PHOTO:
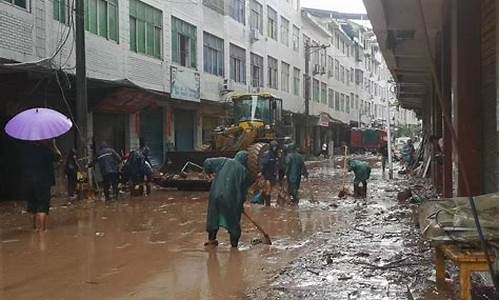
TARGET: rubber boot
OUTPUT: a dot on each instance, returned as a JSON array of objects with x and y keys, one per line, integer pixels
[
  {"x": 364, "y": 190},
  {"x": 234, "y": 242},
  {"x": 212, "y": 238},
  {"x": 267, "y": 200}
]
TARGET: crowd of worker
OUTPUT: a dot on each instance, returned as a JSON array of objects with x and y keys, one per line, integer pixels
[{"x": 282, "y": 168}]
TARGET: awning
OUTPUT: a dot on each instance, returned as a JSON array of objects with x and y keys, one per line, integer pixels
[
  {"x": 127, "y": 100},
  {"x": 325, "y": 119},
  {"x": 401, "y": 36}
]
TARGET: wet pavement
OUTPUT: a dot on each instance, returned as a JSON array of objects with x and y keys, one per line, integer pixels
[{"x": 152, "y": 248}]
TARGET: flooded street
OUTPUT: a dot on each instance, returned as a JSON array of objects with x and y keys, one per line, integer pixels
[{"x": 152, "y": 248}]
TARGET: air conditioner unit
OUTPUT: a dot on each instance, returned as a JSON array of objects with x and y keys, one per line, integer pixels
[
  {"x": 254, "y": 34},
  {"x": 227, "y": 86},
  {"x": 322, "y": 69},
  {"x": 316, "y": 69}
]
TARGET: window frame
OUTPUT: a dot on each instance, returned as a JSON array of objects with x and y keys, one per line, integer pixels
[
  {"x": 272, "y": 73},
  {"x": 253, "y": 58},
  {"x": 295, "y": 38},
  {"x": 238, "y": 12},
  {"x": 285, "y": 77},
  {"x": 272, "y": 32},
  {"x": 87, "y": 16},
  {"x": 285, "y": 31},
  {"x": 237, "y": 74},
  {"x": 150, "y": 23},
  {"x": 296, "y": 81},
  {"x": 209, "y": 66}
]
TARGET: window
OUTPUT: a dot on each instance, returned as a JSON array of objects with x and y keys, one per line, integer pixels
[
  {"x": 59, "y": 10},
  {"x": 347, "y": 76},
  {"x": 330, "y": 66},
  {"x": 272, "y": 23},
  {"x": 359, "y": 77},
  {"x": 296, "y": 81},
  {"x": 322, "y": 59},
  {"x": 315, "y": 55},
  {"x": 337, "y": 75},
  {"x": 145, "y": 29},
  {"x": 257, "y": 70},
  {"x": 337, "y": 101},
  {"x": 330, "y": 98},
  {"x": 237, "y": 10},
  {"x": 285, "y": 29},
  {"x": 295, "y": 38},
  {"x": 342, "y": 74},
  {"x": 213, "y": 54},
  {"x": 183, "y": 43},
  {"x": 352, "y": 101},
  {"x": 343, "y": 47},
  {"x": 20, "y": 3},
  {"x": 337, "y": 40},
  {"x": 347, "y": 104},
  {"x": 237, "y": 62},
  {"x": 352, "y": 75},
  {"x": 342, "y": 102},
  {"x": 357, "y": 101},
  {"x": 217, "y": 5},
  {"x": 272, "y": 72},
  {"x": 101, "y": 18},
  {"x": 316, "y": 90},
  {"x": 323, "y": 93},
  {"x": 255, "y": 16},
  {"x": 285, "y": 77}
]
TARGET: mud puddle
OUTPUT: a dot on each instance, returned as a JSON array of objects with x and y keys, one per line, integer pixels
[{"x": 152, "y": 247}]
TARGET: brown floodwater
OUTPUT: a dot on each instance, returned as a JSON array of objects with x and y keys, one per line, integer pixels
[{"x": 152, "y": 247}]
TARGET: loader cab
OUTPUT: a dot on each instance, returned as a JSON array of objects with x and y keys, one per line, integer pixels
[
  {"x": 257, "y": 109},
  {"x": 259, "y": 114}
]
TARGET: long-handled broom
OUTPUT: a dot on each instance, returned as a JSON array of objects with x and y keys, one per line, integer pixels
[
  {"x": 267, "y": 239},
  {"x": 344, "y": 190}
]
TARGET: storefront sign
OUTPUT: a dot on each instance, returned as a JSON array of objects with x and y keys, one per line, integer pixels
[
  {"x": 184, "y": 84},
  {"x": 324, "y": 120}
]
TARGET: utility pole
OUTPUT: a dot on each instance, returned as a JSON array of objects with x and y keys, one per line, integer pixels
[
  {"x": 81, "y": 81},
  {"x": 307, "y": 91},
  {"x": 389, "y": 139}
]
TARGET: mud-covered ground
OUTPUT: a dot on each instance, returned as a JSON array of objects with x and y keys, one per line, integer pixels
[
  {"x": 152, "y": 248},
  {"x": 378, "y": 255}
]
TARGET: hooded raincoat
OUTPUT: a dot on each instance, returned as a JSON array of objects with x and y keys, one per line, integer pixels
[
  {"x": 227, "y": 193},
  {"x": 361, "y": 170},
  {"x": 295, "y": 167}
]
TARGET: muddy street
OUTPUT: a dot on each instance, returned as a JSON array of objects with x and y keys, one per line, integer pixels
[{"x": 152, "y": 248}]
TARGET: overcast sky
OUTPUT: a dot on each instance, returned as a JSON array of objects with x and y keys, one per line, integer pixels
[{"x": 347, "y": 6}]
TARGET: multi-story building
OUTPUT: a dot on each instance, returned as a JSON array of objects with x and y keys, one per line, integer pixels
[{"x": 164, "y": 70}]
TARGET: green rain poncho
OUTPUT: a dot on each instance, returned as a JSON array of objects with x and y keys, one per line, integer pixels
[
  {"x": 295, "y": 167},
  {"x": 361, "y": 170},
  {"x": 227, "y": 193}
]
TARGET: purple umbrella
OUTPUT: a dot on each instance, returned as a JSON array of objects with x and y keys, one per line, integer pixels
[{"x": 38, "y": 124}]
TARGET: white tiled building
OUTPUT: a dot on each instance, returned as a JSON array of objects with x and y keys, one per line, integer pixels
[{"x": 232, "y": 45}]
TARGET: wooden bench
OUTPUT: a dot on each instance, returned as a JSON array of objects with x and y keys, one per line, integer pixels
[{"x": 468, "y": 260}]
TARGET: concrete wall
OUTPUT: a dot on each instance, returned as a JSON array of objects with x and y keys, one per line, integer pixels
[{"x": 31, "y": 35}]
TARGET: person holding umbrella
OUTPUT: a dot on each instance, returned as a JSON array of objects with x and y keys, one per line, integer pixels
[
  {"x": 39, "y": 127},
  {"x": 38, "y": 178}
]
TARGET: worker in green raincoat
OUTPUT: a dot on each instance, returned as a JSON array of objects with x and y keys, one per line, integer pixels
[
  {"x": 295, "y": 168},
  {"x": 361, "y": 174},
  {"x": 227, "y": 194}
]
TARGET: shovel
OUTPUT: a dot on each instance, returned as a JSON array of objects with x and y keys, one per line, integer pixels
[
  {"x": 343, "y": 190},
  {"x": 267, "y": 239}
]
